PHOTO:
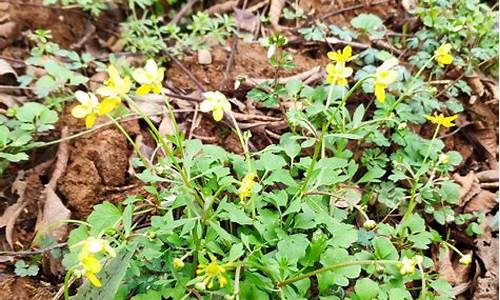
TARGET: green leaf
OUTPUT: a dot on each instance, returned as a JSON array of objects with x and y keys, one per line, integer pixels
[
  {"x": 293, "y": 247},
  {"x": 45, "y": 85},
  {"x": 367, "y": 22},
  {"x": 270, "y": 162},
  {"x": 14, "y": 157},
  {"x": 344, "y": 235},
  {"x": 341, "y": 275},
  {"x": 384, "y": 249},
  {"x": 104, "y": 216},
  {"x": 366, "y": 289},
  {"x": 22, "y": 269},
  {"x": 235, "y": 214}
]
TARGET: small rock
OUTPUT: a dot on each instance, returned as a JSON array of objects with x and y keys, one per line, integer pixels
[{"x": 204, "y": 57}]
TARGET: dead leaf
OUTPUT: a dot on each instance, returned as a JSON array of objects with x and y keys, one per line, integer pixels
[
  {"x": 53, "y": 216},
  {"x": 469, "y": 186},
  {"x": 50, "y": 219},
  {"x": 246, "y": 20},
  {"x": 488, "y": 176},
  {"x": 475, "y": 83},
  {"x": 449, "y": 268},
  {"x": 409, "y": 5},
  {"x": 10, "y": 100},
  {"x": 275, "y": 13},
  {"x": 307, "y": 76},
  {"x": 487, "y": 285},
  {"x": 6, "y": 69},
  {"x": 484, "y": 202},
  {"x": 221, "y": 8},
  {"x": 152, "y": 105},
  {"x": 8, "y": 30},
  {"x": 166, "y": 127},
  {"x": 9, "y": 217}
]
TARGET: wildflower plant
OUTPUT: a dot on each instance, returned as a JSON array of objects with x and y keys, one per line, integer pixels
[{"x": 294, "y": 220}]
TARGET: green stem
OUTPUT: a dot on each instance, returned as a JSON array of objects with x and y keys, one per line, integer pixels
[
  {"x": 67, "y": 278},
  {"x": 131, "y": 141},
  {"x": 332, "y": 267}
]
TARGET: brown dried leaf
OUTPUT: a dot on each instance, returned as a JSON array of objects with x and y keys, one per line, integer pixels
[
  {"x": 6, "y": 69},
  {"x": 487, "y": 286},
  {"x": 483, "y": 202},
  {"x": 53, "y": 216},
  {"x": 9, "y": 217},
  {"x": 475, "y": 83},
  {"x": 450, "y": 269},
  {"x": 246, "y": 20},
  {"x": 488, "y": 176},
  {"x": 470, "y": 186},
  {"x": 166, "y": 126},
  {"x": 221, "y": 8},
  {"x": 275, "y": 13}
]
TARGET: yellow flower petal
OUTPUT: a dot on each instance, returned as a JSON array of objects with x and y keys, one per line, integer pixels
[
  {"x": 90, "y": 120},
  {"x": 140, "y": 76},
  {"x": 144, "y": 90},
  {"x": 81, "y": 111},
  {"x": 157, "y": 88},
  {"x": 91, "y": 264},
  {"x": 380, "y": 93},
  {"x": 107, "y": 105},
  {"x": 218, "y": 114},
  {"x": 93, "y": 279}
]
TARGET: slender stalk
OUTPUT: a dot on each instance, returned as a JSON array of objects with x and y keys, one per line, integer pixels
[
  {"x": 332, "y": 267},
  {"x": 67, "y": 279},
  {"x": 131, "y": 141}
]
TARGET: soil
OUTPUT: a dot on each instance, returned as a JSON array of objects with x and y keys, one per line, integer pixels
[{"x": 23, "y": 288}]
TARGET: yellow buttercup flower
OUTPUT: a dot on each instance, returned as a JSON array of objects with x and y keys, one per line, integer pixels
[
  {"x": 443, "y": 56},
  {"x": 178, "y": 263},
  {"x": 150, "y": 77},
  {"x": 384, "y": 76},
  {"x": 115, "y": 87},
  {"x": 217, "y": 103},
  {"x": 91, "y": 266},
  {"x": 208, "y": 273},
  {"x": 89, "y": 107},
  {"x": 247, "y": 184},
  {"x": 465, "y": 259},
  {"x": 440, "y": 119},
  {"x": 337, "y": 74},
  {"x": 341, "y": 56},
  {"x": 93, "y": 245},
  {"x": 89, "y": 263}
]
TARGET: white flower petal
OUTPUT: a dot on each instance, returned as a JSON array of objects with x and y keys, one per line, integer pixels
[
  {"x": 151, "y": 67},
  {"x": 207, "y": 105},
  {"x": 388, "y": 64},
  {"x": 82, "y": 97}
]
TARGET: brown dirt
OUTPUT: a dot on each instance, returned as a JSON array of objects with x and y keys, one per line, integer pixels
[
  {"x": 97, "y": 161},
  {"x": 22, "y": 288},
  {"x": 250, "y": 60}
]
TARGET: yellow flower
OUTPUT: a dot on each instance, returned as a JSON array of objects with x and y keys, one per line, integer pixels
[
  {"x": 443, "y": 56},
  {"x": 150, "y": 77},
  {"x": 337, "y": 74},
  {"x": 247, "y": 184},
  {"x": 89, "y": 107},
  {"x": 442, "y": 120},
  {"x": 341, "y": 56},
  {"x": 91, "y": 266},
  {"x": 92, "y": 278},
  {"x": 92, "y": 246},
  {"x": 209, "y": 273},
  {"x": 384, "y": 76},
  {"x": 115, "y": 87},
  {"x": 89, "y": 263},
  {"x": 217, "y": 103}
]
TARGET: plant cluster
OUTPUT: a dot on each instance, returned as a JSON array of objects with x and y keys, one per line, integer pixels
[{"x": 296, "y": 220}]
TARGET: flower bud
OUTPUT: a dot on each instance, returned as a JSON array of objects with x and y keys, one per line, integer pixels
[
  {"x": 465, "y": 259},
  {"x": 369, "y": 224},
  {"x": 178, "y": 263}
]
